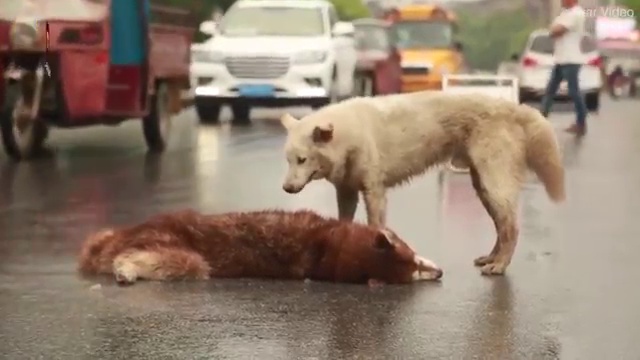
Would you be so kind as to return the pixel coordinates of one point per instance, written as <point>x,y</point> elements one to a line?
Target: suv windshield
<point>371,37</point>
<point>273,21</point>
<point>422,34</point>
<point>543,44</point>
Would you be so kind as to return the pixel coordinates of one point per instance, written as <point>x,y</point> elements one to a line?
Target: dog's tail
<point>92,259</point>
<point>543,155</point>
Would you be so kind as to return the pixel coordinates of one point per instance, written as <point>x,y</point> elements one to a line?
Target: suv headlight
<point>310,57</point>
<point>204,56</point>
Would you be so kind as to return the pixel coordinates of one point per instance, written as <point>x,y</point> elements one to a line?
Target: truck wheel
<point>156,126</point>
<point>241,113</point>
<point>207,112</point>
<point>21,137</point>
<point>368,86</point>
<point>363,84</point>
<point>358,80</point>
<point>592,100</point>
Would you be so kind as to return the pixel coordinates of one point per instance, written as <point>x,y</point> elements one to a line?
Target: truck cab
<point>425,37</point>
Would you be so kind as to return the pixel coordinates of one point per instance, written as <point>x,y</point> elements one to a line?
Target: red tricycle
<point>379,68</point>
<point>70,63</point>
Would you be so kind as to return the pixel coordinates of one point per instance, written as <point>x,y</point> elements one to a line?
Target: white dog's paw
<point>495,268</point>
<point>484,260</point>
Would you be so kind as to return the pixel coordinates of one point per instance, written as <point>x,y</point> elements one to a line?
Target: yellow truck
<point>425,37</point>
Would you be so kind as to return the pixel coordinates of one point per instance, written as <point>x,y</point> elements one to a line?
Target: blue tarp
<point>126,32</point>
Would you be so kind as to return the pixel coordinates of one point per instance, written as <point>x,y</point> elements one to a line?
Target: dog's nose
<point>288,188</point>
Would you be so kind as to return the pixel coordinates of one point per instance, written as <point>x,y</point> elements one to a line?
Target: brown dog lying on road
<point>264,244</point>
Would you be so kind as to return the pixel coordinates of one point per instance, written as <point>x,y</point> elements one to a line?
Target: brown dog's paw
<point>495,268</point>
<point>483,260</point>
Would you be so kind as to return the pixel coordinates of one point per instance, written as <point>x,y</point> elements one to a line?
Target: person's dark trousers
<point>569,73</point>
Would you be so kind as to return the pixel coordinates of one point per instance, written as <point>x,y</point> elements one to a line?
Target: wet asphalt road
<point>569,293</point>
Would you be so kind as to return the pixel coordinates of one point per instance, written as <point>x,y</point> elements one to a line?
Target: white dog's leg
<point>375,200</point>
<point>497,183</point>
<point>347,203</point>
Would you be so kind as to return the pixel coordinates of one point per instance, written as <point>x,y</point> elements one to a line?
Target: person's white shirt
<point>567,46</point>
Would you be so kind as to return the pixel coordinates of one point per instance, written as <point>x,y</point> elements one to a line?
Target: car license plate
<point>256,90</point>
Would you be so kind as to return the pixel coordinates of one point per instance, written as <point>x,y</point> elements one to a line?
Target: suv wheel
<point>241,113</point>
<point>592,100</point>
<point>207,112</point>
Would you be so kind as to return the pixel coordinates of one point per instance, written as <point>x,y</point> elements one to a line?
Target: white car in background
<point>536,62</point>
<point>273,53</point>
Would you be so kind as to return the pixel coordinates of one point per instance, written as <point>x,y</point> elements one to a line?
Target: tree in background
<point>634,5</point>
<point>492,38</point>
<point>351,9</point>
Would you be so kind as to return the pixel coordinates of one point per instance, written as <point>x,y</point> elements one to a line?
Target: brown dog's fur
<point>265,244</point>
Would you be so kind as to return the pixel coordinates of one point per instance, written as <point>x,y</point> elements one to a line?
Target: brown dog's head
<point>380,256</point>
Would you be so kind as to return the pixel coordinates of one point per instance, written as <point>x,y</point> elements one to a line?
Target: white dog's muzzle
<point>292,189</point>
<point>427,270</point>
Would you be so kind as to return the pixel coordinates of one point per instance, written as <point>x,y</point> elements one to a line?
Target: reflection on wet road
<point>569,292</point>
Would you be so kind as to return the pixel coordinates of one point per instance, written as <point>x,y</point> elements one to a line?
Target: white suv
<point>536,62</point>
<point>273,53</point>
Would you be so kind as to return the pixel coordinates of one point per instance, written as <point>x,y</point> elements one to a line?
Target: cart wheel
<point>21,137</point>
<point>157,125</point>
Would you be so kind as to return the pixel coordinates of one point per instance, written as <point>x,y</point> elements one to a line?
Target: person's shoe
<point>576,129</point>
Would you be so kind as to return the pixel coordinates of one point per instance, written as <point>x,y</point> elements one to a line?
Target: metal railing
<point>503,86</point>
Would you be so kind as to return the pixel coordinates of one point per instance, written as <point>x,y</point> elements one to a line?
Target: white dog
<point>370,144</point>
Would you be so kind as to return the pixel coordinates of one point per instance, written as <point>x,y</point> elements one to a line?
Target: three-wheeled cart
<point>71,63</point>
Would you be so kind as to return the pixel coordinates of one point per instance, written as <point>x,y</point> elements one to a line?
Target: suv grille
<point>257,67</point>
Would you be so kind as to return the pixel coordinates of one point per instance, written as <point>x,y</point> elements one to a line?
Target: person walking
<point>567,31</point>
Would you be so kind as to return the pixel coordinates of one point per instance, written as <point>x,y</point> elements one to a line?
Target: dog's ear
<point>384,241</point>
<point>322,134</point>
<point>288,121</point>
